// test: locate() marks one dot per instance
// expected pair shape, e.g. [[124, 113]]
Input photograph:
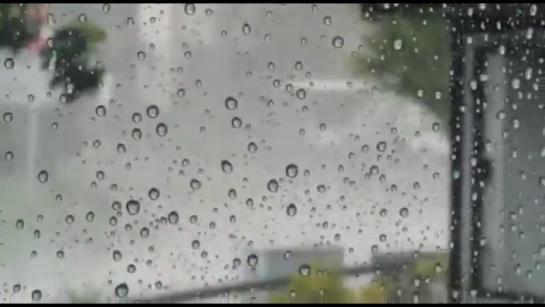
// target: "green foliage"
[[14, 30], [320, 286], [410, 53]]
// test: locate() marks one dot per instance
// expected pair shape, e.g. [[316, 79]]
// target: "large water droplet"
[[9, 63], [100, 111], [304, 270], [291, 210], [173, 217], [252, 260], [226, 167], [272, 185], [153, 193], [231, 103], [133, 207], [43, 176], [292, 170], [246, 29], [337, 42], [161, 129], [36, 295], [122, 290], [152, 111], [190, 8], [195, 184]]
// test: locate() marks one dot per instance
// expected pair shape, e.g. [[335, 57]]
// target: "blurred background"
[[289, 153]]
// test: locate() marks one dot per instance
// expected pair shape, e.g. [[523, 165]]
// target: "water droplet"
[[231, 103], [542, 181], [292, 170], [173, 217], [246, 29], [304, 270], [136, 134], [19, 224], [180, 92], [60, 254], [133, 207], [226, 167], [16, 288], [327, 20], [404, 212], [90, 216], [195, 184], [236, 122], [116, 255], [321, 188], [36, 295], [190, 9], [141, 55], [106, 7], [43, 176], [8, 117], [193, 219], [9, 63], [272, 185], [136, 117], [301, 93], [144, 232], [381, 146], [337, 42], [152, 111], [161, 129], [435, 127], [252, 260], [291, 210], [252, 147], [122, 290], [153, 194], [100, 111], [398, 44], [298, 65], [195, 244], [121, 148], [82, 17]]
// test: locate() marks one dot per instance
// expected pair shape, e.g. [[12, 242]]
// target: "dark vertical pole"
[[456, 124]]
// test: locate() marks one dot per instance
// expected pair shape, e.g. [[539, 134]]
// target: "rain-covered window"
[[272, 153]]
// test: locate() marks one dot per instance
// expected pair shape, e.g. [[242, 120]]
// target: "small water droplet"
[[152, 111], [82, 17], [106, 7], [327, 20]]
